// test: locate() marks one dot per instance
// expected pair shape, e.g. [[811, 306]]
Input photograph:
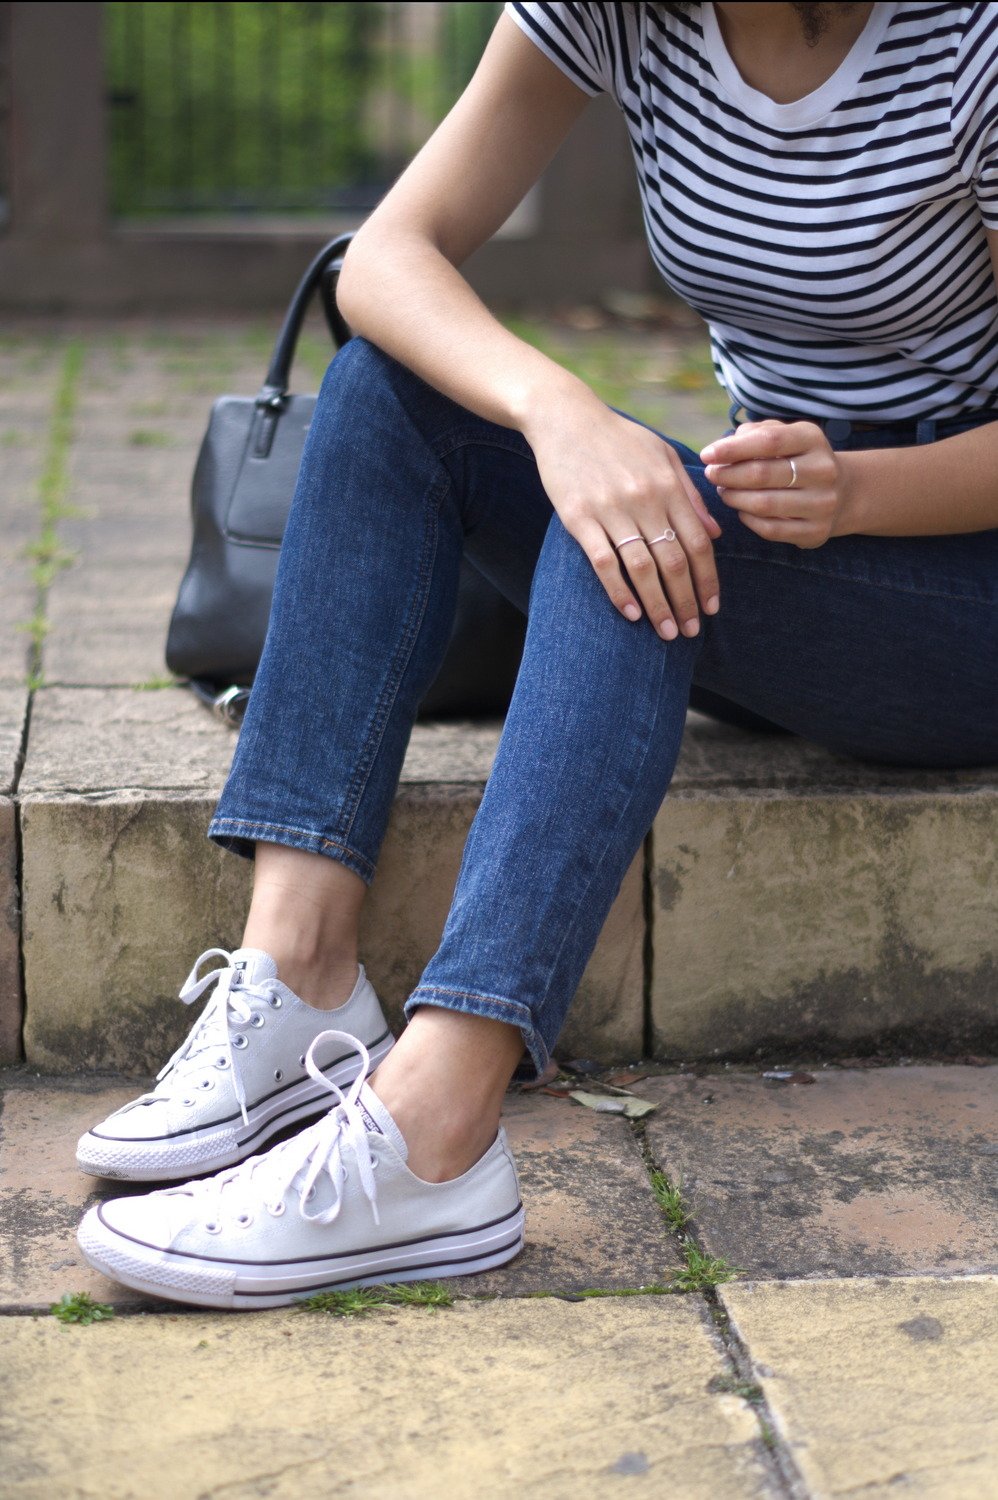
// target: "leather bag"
[[241, 493]]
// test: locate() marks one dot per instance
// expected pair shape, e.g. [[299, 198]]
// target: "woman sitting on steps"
[[821, 182]]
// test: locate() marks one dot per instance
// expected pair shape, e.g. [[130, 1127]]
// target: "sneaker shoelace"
[[227, 1015], [319, 1149]]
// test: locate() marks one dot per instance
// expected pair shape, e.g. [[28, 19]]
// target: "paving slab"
[[138, 428], [591, 1218], [13, 709], [116, 794], [881, 1170], [479, 1401], [879, 1387], [812, 920]]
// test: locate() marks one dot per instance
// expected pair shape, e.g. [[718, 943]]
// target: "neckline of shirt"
[[812, 107]]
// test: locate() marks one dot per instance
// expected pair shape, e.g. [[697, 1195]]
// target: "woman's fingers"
[[698, 551], [607, 566], [644, 572]]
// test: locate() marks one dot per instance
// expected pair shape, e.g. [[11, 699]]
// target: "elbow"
[[349, 285]]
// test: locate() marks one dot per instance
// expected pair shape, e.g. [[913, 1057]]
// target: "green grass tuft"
[[80, 1307], [357, 1301], [701, 1271], [148, 437], [670, 1200], [47, 556]]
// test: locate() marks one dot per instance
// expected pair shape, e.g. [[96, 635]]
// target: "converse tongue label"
[[370, 1123]]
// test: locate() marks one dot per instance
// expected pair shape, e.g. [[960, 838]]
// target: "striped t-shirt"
[[836, 245]]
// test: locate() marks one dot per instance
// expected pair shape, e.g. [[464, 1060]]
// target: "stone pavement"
[[854, 1350]]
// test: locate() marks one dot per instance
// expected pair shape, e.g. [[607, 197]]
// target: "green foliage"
[[80, 1307], [148, 437], [670, 1201], [701, 1271], [247, 105], [46, 554], [357, 1301]]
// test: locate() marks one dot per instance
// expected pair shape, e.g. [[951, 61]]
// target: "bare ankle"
[[443, 1084], [305, 913]]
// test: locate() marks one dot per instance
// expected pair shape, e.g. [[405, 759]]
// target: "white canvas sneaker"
[[335, 1207], [239, 1077]]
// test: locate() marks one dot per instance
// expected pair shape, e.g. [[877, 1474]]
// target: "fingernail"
[[711, 470], [668, 629], [691, 628], [632, 612], [713, 605], [707, 453]]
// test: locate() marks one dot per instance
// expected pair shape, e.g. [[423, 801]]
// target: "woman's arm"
[[936, 489], [607, 478], [400, 287]]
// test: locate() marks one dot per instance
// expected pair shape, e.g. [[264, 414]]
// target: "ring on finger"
[[668, 535], [793, 475], [637, 538]]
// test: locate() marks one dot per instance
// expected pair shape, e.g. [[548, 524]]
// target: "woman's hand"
[[803, 503], [609, 480]]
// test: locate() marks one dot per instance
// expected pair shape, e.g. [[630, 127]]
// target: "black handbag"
[[240, 497]]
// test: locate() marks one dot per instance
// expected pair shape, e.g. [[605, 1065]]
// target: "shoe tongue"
[[379, 1121], [253, 966]]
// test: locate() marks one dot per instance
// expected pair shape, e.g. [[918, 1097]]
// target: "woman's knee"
[[365, 381]]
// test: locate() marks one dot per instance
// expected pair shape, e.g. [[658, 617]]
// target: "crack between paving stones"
[[776, 1458]]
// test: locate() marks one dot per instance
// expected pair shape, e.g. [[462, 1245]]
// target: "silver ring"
[[617, 545], [668, 535], [793, 475]]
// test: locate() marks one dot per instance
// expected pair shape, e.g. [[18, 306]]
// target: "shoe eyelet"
[[244, 1219], [301, 1061], [207, 1083], [222, 1062], [188, 1103], [258, 1021], [278, 1075], [276, 1209], [276, 1002], [240, 1041], [213, 1228]]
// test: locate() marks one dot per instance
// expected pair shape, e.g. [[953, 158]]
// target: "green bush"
[[252, 105]]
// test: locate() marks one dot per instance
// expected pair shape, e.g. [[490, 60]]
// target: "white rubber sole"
[[209, 1150], [234, 1285]]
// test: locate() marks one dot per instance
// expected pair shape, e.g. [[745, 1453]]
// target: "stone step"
[[787, 900]]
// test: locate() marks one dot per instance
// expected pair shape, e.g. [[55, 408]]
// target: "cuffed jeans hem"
[[493, 1008], [240, 836]]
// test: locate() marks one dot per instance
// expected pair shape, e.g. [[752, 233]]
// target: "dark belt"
[[837, 429]]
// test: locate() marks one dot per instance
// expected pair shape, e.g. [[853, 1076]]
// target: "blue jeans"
[[880, 648]]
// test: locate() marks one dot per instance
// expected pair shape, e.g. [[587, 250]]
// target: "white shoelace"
[[318, 1149], [229, 1012]]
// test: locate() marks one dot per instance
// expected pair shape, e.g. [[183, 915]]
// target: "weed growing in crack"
[[670, 1200], [730, 1385], [47, 557], [357, 1301], [702, 1271], [80, 1307]]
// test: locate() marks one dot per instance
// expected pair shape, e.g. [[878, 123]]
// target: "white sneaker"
[[239, 1077], [334, 1207]]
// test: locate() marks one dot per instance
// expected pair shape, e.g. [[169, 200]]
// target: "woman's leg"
[[396, 482], [884, 649]]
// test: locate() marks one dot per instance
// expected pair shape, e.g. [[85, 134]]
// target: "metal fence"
[[251, 106]]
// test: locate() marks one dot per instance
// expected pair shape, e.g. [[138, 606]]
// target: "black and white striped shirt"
[[836, 245]]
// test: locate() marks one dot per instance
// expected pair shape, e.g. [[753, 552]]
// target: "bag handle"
[[322, 274]]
